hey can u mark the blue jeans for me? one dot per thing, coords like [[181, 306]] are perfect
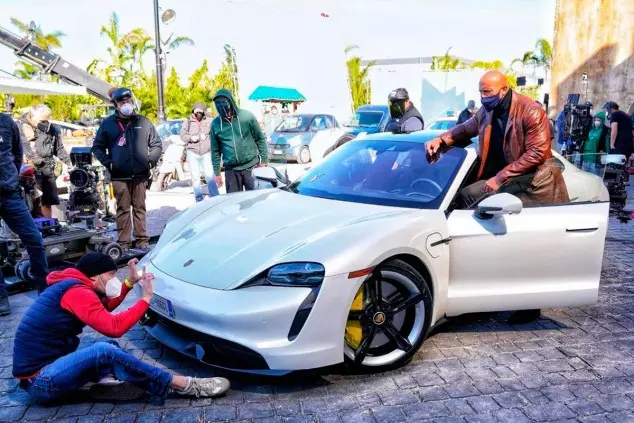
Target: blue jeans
[[199, 165], [69, 373], [15, 213]]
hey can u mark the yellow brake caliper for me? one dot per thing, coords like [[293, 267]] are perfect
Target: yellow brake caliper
[[354, 332]]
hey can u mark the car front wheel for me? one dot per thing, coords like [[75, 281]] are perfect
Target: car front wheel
[[389, 318], [303, 156]]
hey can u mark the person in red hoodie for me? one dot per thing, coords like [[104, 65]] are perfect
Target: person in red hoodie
[[45, 356]]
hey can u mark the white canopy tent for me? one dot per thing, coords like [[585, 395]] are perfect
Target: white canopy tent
[[25, 86]]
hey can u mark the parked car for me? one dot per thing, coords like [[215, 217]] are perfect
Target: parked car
[[358, 259], [291, 139], [369, 119]]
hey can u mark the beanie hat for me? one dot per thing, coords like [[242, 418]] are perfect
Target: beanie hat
[[93, 264]]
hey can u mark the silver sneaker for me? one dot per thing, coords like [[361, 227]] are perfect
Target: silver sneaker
[[206, 387]]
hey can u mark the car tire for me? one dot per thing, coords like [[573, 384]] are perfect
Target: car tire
[[401, 332], [303, 156]]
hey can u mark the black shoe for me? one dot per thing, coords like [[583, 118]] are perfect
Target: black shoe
[[5, 308], [524, 316], [122, 391]]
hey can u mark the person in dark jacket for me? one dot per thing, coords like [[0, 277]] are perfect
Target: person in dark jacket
[[621, 133], [47, 362], [467, 113], [47, 145], [238, 142], [195, 135], [128, 145], [13, 209], [405, 117]]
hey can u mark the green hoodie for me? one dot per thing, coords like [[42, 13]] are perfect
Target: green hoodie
[[239, 143]]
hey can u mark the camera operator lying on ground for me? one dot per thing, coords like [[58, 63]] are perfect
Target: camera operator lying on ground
[[45, 355]]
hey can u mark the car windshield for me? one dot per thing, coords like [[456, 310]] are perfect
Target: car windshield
[[383, 172], [442, 125], [294, 124], [365, 120]]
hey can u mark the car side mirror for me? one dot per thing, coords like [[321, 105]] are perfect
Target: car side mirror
[[266, 174], [498, 205]]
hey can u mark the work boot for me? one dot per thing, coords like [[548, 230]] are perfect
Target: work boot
[[5, 308], [205, 387]]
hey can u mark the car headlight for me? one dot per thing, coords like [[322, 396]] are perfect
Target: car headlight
[[304, 275]]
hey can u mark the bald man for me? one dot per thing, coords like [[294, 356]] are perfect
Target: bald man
[[514, 147]]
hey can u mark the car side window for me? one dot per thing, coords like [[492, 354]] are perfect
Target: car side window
[[319, 123], [330, 122]]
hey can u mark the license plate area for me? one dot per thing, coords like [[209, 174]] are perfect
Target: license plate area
[[163, 306], [278, 152]]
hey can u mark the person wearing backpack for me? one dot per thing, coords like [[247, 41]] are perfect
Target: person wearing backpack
[[42, 144], [195, 135]]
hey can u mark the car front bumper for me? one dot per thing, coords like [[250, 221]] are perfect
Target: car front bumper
[[248, 329], [283, 154]]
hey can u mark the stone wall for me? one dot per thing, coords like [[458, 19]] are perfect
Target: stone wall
[[597, 37]]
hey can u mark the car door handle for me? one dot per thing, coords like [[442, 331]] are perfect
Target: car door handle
[[582, 230], [442, 241]]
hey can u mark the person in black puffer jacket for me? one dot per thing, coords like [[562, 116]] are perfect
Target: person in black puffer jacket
[[128, 145], [13, 209], [47, 145], [405, 117]]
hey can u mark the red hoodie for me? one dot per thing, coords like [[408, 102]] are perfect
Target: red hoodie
[[87, 306]]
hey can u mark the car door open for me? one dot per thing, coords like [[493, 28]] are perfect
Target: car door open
[[505, 257]]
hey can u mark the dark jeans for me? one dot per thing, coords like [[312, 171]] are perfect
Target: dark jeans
[[472, 194], [15, 213], [239, 180], [69, 373], [131, 194]]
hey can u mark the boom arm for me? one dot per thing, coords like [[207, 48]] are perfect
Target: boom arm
[[54, 64]]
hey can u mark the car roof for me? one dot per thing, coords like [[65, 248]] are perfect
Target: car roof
[[372, 108]]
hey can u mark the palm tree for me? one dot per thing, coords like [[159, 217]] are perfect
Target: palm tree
[[446, 63], [545, 54], [528, 58], [116, 72], [46, 41], [358, 78], [494, 65], [25, 70]]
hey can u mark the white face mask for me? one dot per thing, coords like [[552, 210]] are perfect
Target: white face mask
[[127, 109], [113, 287]]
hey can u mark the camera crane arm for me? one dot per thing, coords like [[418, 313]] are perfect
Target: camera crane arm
[[54, 64]]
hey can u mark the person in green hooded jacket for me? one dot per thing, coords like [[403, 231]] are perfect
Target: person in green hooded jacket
[[238, 142], [594, 144]]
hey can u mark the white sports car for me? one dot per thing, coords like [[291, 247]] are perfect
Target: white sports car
[[360, 257]]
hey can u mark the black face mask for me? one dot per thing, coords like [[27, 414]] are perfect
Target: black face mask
[[199, 116], [397, 109], [44, 126], [223, 105]]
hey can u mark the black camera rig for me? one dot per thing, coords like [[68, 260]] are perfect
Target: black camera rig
[[87, 199], [616, 179], [577, 122]]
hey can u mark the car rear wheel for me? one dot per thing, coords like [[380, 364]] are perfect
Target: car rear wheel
[[389, 318], [303, 156]]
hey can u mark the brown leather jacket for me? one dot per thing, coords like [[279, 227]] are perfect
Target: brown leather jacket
[[526, 148]]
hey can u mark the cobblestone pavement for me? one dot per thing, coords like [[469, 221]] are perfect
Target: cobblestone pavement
[[572, 365]]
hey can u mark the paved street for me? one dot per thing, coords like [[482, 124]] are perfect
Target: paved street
[[572, 365]]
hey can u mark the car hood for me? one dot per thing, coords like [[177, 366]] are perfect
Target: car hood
[[236, 239]]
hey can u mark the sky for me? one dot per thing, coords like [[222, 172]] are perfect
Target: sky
[[287, 43]]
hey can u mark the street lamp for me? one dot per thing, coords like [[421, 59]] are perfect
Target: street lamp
[[167, 17]]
